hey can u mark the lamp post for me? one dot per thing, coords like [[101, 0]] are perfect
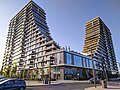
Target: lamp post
[[78, 76]]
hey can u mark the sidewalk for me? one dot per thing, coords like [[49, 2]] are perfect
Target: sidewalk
[[100, 88], [109, 87], [38, 83]]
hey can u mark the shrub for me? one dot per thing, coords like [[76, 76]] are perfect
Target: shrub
[[75, 79], [53, 79]]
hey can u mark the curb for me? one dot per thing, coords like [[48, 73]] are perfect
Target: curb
[[113, 83]]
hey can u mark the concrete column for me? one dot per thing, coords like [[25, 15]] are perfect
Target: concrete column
[[62, 58], [62, 73]]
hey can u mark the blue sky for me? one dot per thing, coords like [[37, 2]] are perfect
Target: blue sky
[[66, 20]]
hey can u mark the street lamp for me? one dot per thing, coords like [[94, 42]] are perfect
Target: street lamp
[[78, 76]]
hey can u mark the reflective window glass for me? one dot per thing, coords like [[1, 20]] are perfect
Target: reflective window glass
[[95, 64], [84, 62], [77, 60], [90, 63], [68, 58]]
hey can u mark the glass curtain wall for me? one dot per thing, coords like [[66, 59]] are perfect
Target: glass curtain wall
[[77, 60], [68, 58]]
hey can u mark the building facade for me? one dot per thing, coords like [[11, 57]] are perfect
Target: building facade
[[29, 46], [29, 41], [98, 38], [72, 65]]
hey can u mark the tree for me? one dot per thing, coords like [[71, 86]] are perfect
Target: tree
[[37, 73], [32, 73], [28, 73], [1, 72], [24, 73], [42, 74], [18, 75], [7, 71], [14, 70]]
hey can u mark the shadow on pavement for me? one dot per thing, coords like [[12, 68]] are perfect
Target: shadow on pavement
[[29, 89]]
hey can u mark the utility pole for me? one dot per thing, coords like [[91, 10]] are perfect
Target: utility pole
[[94, 76], [104, 69]]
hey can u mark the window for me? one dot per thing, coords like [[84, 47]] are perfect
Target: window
[[37, 41], [9, 82], [42, 48], [38, 49], [38, 54], [84, 62], [90, 63], [42, 53], [87, 62], [37, 45], [77, 60], [68, 58], [95, 64], [18, 81]]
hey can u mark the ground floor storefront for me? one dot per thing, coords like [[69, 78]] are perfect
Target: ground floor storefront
[[77, 73], [63, 72], [71, 73]]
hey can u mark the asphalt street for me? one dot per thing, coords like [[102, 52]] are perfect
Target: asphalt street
[[64, 86]]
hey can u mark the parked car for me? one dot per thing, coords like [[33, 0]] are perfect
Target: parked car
[[97, 80], [118, 78], [1, 77], [12, 84]]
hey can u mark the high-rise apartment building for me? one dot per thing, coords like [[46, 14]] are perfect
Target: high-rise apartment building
[[29, 46], [98, 39], [29, 41]]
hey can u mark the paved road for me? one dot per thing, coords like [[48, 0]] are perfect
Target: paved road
[[65, 86]]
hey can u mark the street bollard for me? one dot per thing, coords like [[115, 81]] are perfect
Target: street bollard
[[104, 84]]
